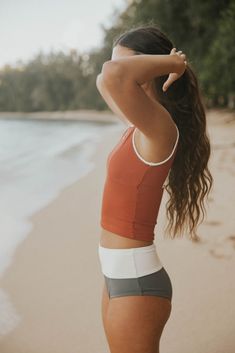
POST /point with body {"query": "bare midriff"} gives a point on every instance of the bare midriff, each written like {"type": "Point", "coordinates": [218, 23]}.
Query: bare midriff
{"type": "Point", "coordinates": [115, 241]}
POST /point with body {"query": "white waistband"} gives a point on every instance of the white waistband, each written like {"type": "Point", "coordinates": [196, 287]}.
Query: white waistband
{"type": "Point", "coordinates": [129, 263]}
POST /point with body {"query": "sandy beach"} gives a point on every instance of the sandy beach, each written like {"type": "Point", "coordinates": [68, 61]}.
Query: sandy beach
{"type": "Point", "coordinates": [55, 282]}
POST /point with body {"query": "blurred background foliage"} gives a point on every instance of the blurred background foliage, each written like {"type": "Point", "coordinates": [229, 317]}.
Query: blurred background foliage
{"type": "Point", "coordinates": [204, 30]}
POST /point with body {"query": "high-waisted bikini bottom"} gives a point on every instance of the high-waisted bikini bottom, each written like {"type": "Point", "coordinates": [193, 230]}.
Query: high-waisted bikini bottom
{"type": "Point", "coordinates": [134, 271]}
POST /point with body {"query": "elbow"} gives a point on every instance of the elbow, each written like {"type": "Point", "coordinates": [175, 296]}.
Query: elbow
{"type": "Point", "coordinates": [98, 81]}
{"type": "Point", "coordinates": [111, 72]}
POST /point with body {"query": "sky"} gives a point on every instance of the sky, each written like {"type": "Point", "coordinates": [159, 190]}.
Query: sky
{"type": "Point", "coordinates": [28, 26]}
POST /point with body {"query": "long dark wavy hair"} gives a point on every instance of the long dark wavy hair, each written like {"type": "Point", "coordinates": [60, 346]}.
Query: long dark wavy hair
{"type": "Point", "coordinates": [189, 180]}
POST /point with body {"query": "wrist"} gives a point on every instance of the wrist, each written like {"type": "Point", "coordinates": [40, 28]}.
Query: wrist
{"type": "Point", "coordinates": [178, 65]}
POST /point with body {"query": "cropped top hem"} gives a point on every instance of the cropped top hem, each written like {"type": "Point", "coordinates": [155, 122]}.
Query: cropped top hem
{"type": "Point", "coordinates": [126, 230]}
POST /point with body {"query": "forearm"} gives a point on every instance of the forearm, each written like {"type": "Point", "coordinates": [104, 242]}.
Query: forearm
{"type": "Point", "coordinates": [142, 68]}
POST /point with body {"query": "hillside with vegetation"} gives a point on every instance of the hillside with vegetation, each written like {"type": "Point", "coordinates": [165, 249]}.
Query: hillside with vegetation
{"type": "Point", "coordinates": [204, 30]}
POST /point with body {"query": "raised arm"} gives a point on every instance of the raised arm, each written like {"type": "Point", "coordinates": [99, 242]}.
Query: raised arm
{"type": "Point", "coordinates": [144, 67]}
{"type": "Point", "coordinates": [123, 78]}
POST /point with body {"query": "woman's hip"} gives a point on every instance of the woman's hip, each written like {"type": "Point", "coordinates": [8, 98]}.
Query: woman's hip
{"type": "Point", "coordinates": [134, 271]}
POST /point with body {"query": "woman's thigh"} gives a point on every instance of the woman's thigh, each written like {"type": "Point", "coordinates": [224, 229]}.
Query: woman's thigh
{"type": "Point", "coordinates": [104, 306]}
{"type": "Point", "coordinates": [134, 324]}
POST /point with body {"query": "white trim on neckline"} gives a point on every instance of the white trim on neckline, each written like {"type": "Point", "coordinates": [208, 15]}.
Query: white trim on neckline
{"type": "Point", "coordinates": [153, 163]}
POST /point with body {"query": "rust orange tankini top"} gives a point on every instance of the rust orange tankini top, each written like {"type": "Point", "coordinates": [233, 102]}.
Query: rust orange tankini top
{"type": "Point", "coordinates": [133, 189]}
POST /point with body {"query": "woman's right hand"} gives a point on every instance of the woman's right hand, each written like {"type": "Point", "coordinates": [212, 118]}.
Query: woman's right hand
{"type": "Point", "coordinates": [181, 66]}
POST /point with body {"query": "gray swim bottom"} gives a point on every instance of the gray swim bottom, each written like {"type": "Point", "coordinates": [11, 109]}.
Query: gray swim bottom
{"type": "Point", "coordinates": [157, 283]}
{"type": "Point", "coordinates": [134, 271]}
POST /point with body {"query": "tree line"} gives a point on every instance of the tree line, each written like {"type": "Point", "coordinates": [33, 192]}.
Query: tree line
{"type": "Point", "coordinates": [204, 30]}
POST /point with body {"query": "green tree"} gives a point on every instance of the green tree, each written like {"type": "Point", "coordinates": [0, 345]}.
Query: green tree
{"type": "Point", "coordinates": [58, 81]}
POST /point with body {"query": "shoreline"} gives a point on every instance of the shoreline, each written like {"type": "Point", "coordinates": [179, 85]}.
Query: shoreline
{"type": "Point", "coordinates": [64, 157]}
{"type": "Point", "coordinates": [225, 115]}
{"type": "Point", "coordinates": [83, 115]}
{"type": "Point", "coordinates": [37, 261]}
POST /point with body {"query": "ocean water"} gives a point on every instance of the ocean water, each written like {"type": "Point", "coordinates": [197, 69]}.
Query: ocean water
{"type": "Point", "coordinates": [38, 159]}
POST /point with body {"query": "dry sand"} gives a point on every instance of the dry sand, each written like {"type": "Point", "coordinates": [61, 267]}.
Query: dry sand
{"type": "Point", "coordinates": [55, 282]}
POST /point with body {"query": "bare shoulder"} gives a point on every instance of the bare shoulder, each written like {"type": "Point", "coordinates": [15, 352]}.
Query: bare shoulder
{"type": "Point", "coordinates": [159, 146]}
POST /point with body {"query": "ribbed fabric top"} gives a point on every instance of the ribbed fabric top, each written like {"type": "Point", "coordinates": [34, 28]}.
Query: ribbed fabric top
{"type": "Point", "coordinates": [133, 189]}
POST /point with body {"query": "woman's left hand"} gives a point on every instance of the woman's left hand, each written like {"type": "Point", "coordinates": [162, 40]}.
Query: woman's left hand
{"type": "Point", "coordinates": [173, 76]}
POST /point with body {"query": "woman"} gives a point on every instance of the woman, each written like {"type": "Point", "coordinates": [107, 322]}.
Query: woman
{"type": "Point", "coordinates": [149, 85]}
